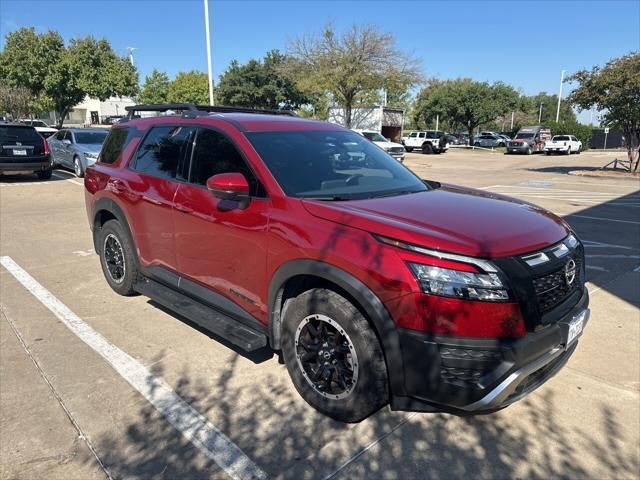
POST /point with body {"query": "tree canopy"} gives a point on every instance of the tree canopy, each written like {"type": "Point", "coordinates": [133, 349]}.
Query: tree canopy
{"type": "Point", "coordinates": [465, 103]}
{"type": "Point", "coordinates": [259, 84]}
{"type": "Point", "coordinates": [189, 87]}
{"type": "Point", "coordinates": [353, 67]}
{"type": "Point", "coordinates": [155, 88]}
{"type": "Point", "coordinates": [62, 76]}
{"type": "Point", "coordinates": [614, 90]}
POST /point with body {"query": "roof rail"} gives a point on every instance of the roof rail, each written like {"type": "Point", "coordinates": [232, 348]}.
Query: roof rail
{"type": "Point", "coordinates": [190, 110]}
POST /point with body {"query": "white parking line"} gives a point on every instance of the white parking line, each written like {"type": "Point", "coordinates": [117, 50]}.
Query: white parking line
{"type": "Point", "coordinates": [70, 180]}
{"type": "Point", "coordinates": [193, 426]}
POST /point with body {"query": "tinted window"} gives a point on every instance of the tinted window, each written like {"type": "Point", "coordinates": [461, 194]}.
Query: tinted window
{"type": "Point", "coordinates": [59, 135]}
{"type": "Point", "coordinates": [116, 142]}
{"type": "Point", "coordinates": [561, 138]}
{"type": "Point", "coordinates": [162, 150]}
{"type": "Point", "coordinates": [213, 154]}
{"type": "Point", "coordinates": [333, 165]}
{"type": "Point", "coordinates": [21, 134]}
{"type": "Point", "coordinates": [94, 138]}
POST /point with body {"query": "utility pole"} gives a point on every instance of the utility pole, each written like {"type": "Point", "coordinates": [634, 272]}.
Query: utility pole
{"type": "Point", "coordinates": [206, 28]}
{"type": "Point", "coordinates": [437, 121]}
{"type": "Point", "coordinates": [559, 96]}
{"type": "Point", "coordinates": [512, 120]}
{"type": "Point", "coordinates": [540, 114]}
{"type": "Point", "coordinates": [130, 51]}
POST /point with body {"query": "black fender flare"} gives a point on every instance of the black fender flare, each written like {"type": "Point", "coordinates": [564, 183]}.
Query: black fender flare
{"type": "Point", "coordinates": [106, 204]}
{"type": "Point", "coordinates": [374, 308]}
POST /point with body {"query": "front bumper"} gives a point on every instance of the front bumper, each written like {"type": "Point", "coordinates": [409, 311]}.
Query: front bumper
{"type": "Point", "coordinates": [479, 375]}
{"type": "Point", "coordinates": [518, 149]}
{"type": "Point", "coordinates": [555, 149]}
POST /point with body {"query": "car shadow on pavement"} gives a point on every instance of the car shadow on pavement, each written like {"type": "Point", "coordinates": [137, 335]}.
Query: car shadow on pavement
{"type": "Point", "coordinates": [288, 439]}
{"type": "Point", "coordinates": [614, 225]}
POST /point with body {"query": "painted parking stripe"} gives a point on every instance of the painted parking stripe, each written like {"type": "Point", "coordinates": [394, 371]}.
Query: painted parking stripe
{"type": "Point", "coordinates": [68, 179]}
{"type": "Point", "coordinates": [604, 219]}
{"type": "Point", "coordinates": [193, 426]}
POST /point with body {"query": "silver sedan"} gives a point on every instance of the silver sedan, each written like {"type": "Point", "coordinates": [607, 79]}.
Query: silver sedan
{"type": "Point", "coordinates": [76, 148]}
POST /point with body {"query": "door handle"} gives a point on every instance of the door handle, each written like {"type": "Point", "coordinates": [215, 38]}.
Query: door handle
{"type": "Point", "coordinates": [184, 208]}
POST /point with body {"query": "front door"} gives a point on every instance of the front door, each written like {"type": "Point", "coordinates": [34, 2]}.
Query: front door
{"type": "Point", "coordinates": [220, 246]}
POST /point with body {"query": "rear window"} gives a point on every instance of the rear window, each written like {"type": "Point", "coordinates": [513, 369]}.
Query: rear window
{"type": "Point", "coordinates": [116, 142]}
{"type": "Point", "coordinates": [90, 138]}
{"type": "Point", "coordinates": [18, 134]}
{"type": "Point", "coordinates": [561, 138]}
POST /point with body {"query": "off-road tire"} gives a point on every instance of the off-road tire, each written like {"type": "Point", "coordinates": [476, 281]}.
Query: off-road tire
{"type": "Point", "coordinates": [131, 273]}
{"type": "Point", "coordinates": [370, 392]}
{"type": "Point", "coordinates": [409, 149]}
{"type": "Point", "coordinates": [427, 148]}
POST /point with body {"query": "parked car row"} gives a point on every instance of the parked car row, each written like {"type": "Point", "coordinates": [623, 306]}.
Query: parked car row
{"type": "Point", "coordinates": [27, 149]}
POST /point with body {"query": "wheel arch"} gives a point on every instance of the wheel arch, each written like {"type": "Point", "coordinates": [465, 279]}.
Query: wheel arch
{"type": "Point", "coordinates": [286, 281]}
{"type": "Point", "coordinates": [105, 210]}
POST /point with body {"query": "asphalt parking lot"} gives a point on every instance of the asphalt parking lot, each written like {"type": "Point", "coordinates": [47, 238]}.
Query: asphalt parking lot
{"type": "Point", "coordinates": [94, 385]}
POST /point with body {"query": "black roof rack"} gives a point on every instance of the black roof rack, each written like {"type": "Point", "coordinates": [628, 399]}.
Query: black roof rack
{"type": "Point", "coordinates": [190, 110]}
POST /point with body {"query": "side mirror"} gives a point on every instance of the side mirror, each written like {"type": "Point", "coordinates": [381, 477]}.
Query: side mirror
{"type": "Point", "coordinates": [230, 186]}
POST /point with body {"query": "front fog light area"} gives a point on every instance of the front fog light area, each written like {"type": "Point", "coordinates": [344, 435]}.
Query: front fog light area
{"type": "Point", "coordinates": [459, 284]}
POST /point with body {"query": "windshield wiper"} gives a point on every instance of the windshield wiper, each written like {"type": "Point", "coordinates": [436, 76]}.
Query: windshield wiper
{"type": "Point", "coordinates": [393, 194]}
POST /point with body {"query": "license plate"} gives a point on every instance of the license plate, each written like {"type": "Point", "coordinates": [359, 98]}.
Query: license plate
{"type": "Point", "coordinates": [575, 328]}
{"type": "Point", "coordinates": [19, 152]}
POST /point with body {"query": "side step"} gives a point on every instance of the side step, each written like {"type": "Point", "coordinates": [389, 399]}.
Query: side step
{"type": "Point", "coordinates": [218, 323]}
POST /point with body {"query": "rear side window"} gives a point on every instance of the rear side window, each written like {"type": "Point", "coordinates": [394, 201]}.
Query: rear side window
{"type": "Point", "coordinates": [163, 150]}
{"type": "Point", "coordinates": [214, 153]}
{"type": "Point", "coordinates": [19, 134]}
{"type": "Point", "coordinates": [116, 142]}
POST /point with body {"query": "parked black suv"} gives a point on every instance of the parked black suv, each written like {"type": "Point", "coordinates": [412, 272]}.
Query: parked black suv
{"type": "Point", "coordinates": [24, 150]}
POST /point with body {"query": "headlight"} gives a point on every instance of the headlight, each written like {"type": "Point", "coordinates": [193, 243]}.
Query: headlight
{"type": "Point", "coordinates": [91, 155]}
{"type": "Point", "coordinates": [459, 284]}
{"type": "Point", "coordinates": [387, 149]}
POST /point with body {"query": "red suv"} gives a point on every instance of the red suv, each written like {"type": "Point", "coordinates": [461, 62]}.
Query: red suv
{"type": "Point", "coordinates": [378, 287]}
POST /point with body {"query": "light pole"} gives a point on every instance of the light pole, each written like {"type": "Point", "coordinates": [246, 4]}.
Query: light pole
{"type": "Point", "coordinates": [206, 28]}
{"type": "Point", "coordinates": [540, 114]}
{"type": "Point", "coordinates": [559, 96]}
{"type": "Point", "coordinates": [130, 50]}
{"type": "Point", "coordinates": [512, 120]}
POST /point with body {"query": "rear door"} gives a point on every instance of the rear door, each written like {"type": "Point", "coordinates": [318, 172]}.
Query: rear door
{"type": "Point", "coordinates": [148, 191]}
{"type": "Point", "coordinates": [220, 246]}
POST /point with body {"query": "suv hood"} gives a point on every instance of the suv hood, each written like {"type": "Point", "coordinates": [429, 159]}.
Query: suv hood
{"type": "Point", "coordinates": [452, 219]}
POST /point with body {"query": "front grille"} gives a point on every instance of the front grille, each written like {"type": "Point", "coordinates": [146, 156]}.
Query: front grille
{"type": "Point", "coordinates": [553, 288]}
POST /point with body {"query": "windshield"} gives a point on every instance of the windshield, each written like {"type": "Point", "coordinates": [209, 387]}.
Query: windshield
{"type": "Point", "coordinates": [332, 165]}
{"type": "Point", "coordinates": [95, 138]}
{"type": "Point", "coordinates": [374, 137]}
{"type": "Point", "coordinates": [561, 138]}
{"type": "Point", "coordinates": [524, 136]}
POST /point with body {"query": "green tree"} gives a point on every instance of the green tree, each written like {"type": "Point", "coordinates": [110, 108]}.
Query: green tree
{"type": "Point", "coordinates": [613, 90]}
{"type": "Point", "coordinates": [62, 76]}
{"type": "Point", "coordinates": [259, 84]}
{"type": "Point", "coordinates": [351, 67]}
{"type": "Point", "coordinates": [15, 100]}
{"type": "Point", "coordinates": [465, 103]}
{"type": "Point", "coordinates": [189, 87]}
{"type": "Point", "coordinates": [155, 88]}
{"type": "Point", "coordinates": [531, 106]}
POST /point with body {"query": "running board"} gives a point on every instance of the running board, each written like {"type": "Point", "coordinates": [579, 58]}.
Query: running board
{"type": "Point", "coordinates": [218, 323]}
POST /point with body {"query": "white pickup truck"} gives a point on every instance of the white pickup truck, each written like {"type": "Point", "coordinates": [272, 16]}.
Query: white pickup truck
{"type": "Point", "coordinates": [566, 144]}
{"type": "Point", "coordinates": [426, 140]}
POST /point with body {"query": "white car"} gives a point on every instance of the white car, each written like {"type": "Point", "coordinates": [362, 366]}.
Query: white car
{"type": "Point", "coordinates": [428, 141]}
{"type": "Point", "coordinates": [41, 127]}
{"type": "Point", "coordinates": [566, 144]}
{"type": "Point", "coordinates": [396, 150]}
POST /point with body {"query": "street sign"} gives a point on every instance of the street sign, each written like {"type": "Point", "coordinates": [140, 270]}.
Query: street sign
{"type": "Point", "coordinates": [606, 130]}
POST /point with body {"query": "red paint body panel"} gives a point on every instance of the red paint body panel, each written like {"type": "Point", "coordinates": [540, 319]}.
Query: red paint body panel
{"type": "Point", "coordinates": [235, 252]}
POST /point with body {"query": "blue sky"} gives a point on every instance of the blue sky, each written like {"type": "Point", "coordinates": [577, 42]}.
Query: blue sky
{"type": "Point", "coordinates": [478, 39]}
